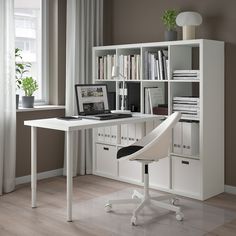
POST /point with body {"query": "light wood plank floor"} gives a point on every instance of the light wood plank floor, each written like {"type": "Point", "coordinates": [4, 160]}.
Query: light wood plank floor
{"type": "Point", "coordinates": [217, 216]}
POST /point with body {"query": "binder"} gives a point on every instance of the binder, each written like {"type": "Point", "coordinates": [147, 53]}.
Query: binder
{"type": "Point", "coordinates": [190, 145]}
{"type": "Point", "coordinates": [131, 134]}
{"type": "Point", "coordinates": [149, 127]}
{"type": "Point", "coordinates": [124, 134]}
{"type": "Point", "coordinates": [100, 134]}
{"type": "Point", "coordinates": [139, 131]}
{"type": "Point", "coordinates": [107, 131]}
{"type": "Point", "coordinates": [177, 138]}
{"type": "Point", "coordinates": [113, 134]}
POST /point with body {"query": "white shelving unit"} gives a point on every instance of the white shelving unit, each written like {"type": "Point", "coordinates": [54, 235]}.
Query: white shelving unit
{"type": "Point", "coordinates": [199, 176]}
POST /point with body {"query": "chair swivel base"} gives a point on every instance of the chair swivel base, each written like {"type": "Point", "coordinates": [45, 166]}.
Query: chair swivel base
{"type": "Point", "coordinates": [143, 200]}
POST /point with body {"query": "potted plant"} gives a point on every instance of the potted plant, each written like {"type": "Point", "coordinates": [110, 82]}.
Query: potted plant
{"type": "Point", "coordinates": [169, 20]}
{"type": "Point", "coordinates": [29, 85]}
{"type": "Point", "coordinates": [21, 68]}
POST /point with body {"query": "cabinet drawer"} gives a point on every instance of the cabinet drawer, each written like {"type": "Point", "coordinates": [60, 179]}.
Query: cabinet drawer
{"type": "Point", "coordinates": [159, 173]}
{"type": "Point", "coordinates": [130, 170]}
{"type": "Point", "coordinates": [186, 175]}
{"type": "Point", "coordinates": [106, 159]}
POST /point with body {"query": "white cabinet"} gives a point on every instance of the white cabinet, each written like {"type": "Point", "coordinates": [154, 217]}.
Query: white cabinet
{"type": "Point", "coordinates": [130, 170]}
{"type": "Point", "coordinates": [159, 173]}
{"type": "Point", "coordinates": [195, 167]}
{"type": "Point", "coordinates": [186, 176]}
{"type": "Point", "coordinates": [106, 159]}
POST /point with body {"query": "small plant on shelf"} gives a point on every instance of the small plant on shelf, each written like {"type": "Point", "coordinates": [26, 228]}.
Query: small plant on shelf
{"type": "Point", "coordinates": [29, 85]}
{"type": "Point", "coordinates": [24, 81]}
{"type": "Point", "coordinates": [169, 20]}
{"type": "Point", "coordinates": [21, 67]}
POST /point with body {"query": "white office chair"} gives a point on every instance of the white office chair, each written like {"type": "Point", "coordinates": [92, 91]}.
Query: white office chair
{"type": "Point", "coordinates": [152, 147]}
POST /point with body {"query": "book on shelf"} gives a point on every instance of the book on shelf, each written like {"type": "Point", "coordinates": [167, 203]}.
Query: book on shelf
{"type": "Point", "coordinates": [104, 66]}
{"type": "Point", "coordinates": [130, 66]}
{"type": "Point", "coordinates": [154, 96]}
{"type": "Point", "coordinates": [105, 63]}
{"type": "Point", "coordinates": [186, 74]}
{"type": "Point", "coordinates": [161, 109]}
{"type": "Point", "coordinates": [185, 106]}
{"type": "Point", "coordinates": [161, 66]}
{"type": "Point", "coordinates": [156, 65]}
{"type": "Point", "coordinates": [188, 106]}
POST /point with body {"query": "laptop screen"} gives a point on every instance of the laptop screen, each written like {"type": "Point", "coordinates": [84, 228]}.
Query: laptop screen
{"type": "Point", "coordinates": [91, 99]}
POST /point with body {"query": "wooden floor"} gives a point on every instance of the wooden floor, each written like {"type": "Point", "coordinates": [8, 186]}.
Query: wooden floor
{"type": "Point", "coordinates": [18, 218]}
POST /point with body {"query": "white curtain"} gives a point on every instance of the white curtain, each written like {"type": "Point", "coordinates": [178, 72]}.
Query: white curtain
{"type": "Point", "coordinates": [7, 97]}
{"type": "Point", "coordinates": [84, 30]}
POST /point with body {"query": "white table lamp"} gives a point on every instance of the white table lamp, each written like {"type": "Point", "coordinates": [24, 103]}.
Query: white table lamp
{"type": "Point", "coordinates": [116, 74]}
{"type": "Point", "coordinates": [188, 20]}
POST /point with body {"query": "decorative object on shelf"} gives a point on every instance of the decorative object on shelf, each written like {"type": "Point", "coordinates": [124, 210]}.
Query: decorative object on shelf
{"type": "Point", "coordinates": [169, 20]}
{"type": "Point", "coordinates": [189, 20]}
{"type": "Point", "coordinates": [123, 91]}
{"type": "Point", "coordinates": [29, 85]}
{"type": "Point", "coordinates": [21, 68]}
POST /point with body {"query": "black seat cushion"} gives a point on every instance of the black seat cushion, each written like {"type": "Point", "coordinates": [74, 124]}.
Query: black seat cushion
{"type": "Point", "coordinates": [126, 151]}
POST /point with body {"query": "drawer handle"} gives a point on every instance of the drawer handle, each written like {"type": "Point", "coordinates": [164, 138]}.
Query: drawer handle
{"type": "Point", "coordinates": [106, 148]}
{"type": "Point", "coordinates": [185, 162]}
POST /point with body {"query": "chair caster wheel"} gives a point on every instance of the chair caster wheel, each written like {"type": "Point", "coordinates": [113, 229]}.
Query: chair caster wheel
{"type": "Point", "coordinates": [108, 207]}
{"type": "Point", "coordinates": [179, 216]}
{"type": "Point", "coordinates": [134, 220]}
{"type": "Point", "coordinates": [174, 201]}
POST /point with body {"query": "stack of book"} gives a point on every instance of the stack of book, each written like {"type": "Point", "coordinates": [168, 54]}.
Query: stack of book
{"type": "Point", "coordinates": [156, 65]}
{"type": "Point", "coordinates": [104, 66]}
{"type": "Point", "coordinates": [130, 66]}
{"type": "Point", "coordinates": [186, 74]}
{"type": "Point", "coordinates": [188, 106]}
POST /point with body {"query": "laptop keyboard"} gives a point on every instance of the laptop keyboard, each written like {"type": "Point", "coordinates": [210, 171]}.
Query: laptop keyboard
{"type": "Point", "coordinates": [112, 116]}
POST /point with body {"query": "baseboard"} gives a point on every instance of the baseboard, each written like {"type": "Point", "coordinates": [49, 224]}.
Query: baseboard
{"type": "Point", "coordinates": [230, 189]}
{"type": "Point", "coordinates": [59, 172]}
{"type": "Point", "coordinates": [42, 175]}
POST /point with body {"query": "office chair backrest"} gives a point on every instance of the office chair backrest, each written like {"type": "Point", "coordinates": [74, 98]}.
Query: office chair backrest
{"type": "Point", "coordinates": [156, 144]}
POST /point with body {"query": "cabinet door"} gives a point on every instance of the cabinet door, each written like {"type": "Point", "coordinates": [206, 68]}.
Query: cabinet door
{"type": "Point", "coordinates": [159, 173]}
{"type": "Point", "coordinates": [130, 170]}
{"type": "Point", "coordinates": [186, 175]}
{"type": "Point", "coordinates": [106, 162]}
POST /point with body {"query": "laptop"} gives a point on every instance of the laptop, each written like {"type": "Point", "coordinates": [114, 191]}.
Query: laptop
{"type": "Point", "coordinates": [92, 102]}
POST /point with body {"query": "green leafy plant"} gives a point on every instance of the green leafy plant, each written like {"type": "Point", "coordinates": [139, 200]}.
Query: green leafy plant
{"type": "Point", "coordinates": [169, 18]}
{"type": "Point", "coordinates": [29, 85]}
{"type": "Point", "coordinates": [21, 67]}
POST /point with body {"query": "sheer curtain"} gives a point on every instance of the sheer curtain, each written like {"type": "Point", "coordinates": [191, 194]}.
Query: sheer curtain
{"type": "Point", "coordinates": [7, 97]}
{"type": "Point", "coordinates": [84, 30]}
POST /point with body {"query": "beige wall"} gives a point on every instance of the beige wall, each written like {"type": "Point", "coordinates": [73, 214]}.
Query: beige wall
{"type": "Point", "coordinates": [57, 51]}
{"type": "Point", "coordinates": [50, 143]}
{"type": "Point", "coordinates": [133, 21]}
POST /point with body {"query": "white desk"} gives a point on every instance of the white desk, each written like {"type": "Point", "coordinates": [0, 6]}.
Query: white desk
{"type": "Point", "coordinates": [69, 127]}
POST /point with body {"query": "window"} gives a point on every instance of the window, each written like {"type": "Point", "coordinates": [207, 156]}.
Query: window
{"type": "Point", "coordinates": [30, 37]}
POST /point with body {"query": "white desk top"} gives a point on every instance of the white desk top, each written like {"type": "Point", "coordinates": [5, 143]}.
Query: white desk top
{"type": "Point", "coordinates": [71, 125]}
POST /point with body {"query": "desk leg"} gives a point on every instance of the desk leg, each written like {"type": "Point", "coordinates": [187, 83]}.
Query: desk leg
{"type": "Point", "coordinates": [69, 175]}
{"type": "Point", "coordinates": [33, 165]}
